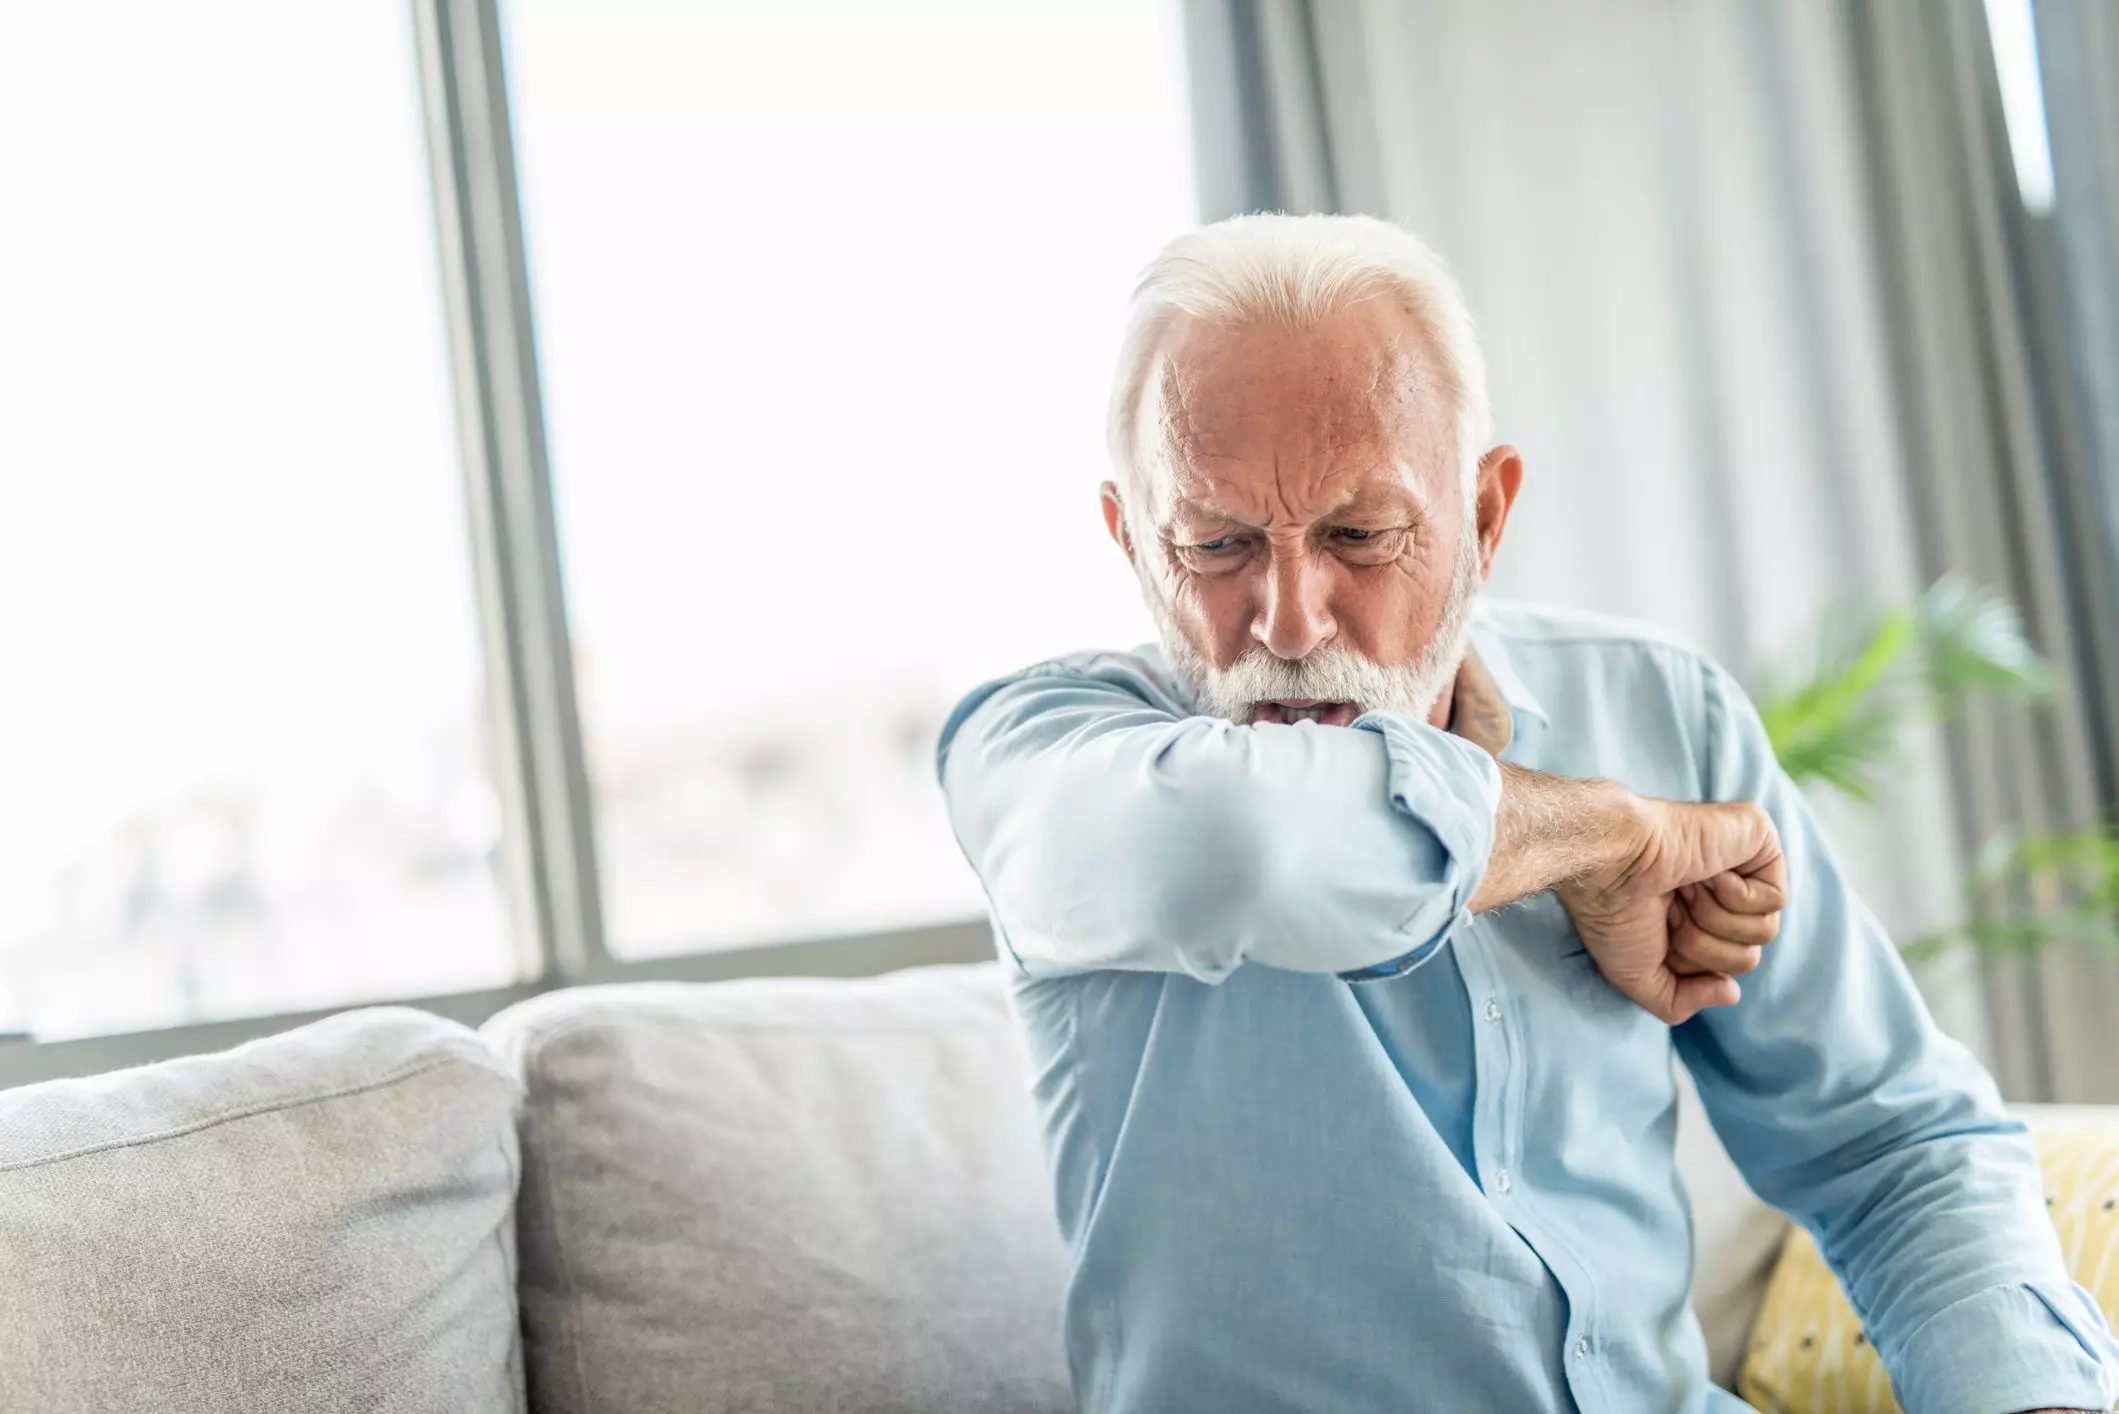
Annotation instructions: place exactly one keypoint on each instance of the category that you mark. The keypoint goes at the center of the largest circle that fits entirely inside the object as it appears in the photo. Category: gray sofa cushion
(786, 1196)
(314, 1222)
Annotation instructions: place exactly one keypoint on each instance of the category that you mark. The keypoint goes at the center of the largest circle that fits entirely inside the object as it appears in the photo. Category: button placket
(1490, 1049)
(1504, 1078)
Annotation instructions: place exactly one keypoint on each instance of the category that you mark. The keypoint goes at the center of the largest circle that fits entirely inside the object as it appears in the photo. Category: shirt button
(1582, 1346)
(1493, 1008)
(1503, 1182)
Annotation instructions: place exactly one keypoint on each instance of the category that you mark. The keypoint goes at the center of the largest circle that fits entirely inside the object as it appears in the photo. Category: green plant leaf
(1871, 674)
(1926, 947)
(2036, 892)
(1846, 753)
(1837, 727)
(1972, 639)
(2080, 864)
(2033, 933)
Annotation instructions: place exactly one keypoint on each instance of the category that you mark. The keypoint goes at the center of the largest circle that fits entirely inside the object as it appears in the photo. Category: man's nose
(1294, 617)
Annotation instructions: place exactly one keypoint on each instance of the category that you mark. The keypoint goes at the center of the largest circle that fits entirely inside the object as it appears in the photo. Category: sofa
(767, 1195)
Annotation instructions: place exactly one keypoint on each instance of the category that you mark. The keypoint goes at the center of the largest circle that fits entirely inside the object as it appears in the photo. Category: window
(827, 298)
(243, 762)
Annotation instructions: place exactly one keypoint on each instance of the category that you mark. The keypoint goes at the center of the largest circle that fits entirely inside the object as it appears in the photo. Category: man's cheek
(1217, 620)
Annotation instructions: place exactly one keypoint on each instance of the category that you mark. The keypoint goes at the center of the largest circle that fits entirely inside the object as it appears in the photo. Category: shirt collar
(1491, 701)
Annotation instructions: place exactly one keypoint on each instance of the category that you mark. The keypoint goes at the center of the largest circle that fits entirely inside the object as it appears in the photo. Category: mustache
(1329, 674)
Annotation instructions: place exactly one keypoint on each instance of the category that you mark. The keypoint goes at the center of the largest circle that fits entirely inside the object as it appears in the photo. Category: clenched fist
(1692, 895)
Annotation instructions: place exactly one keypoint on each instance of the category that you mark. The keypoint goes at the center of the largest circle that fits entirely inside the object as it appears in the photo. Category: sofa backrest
(783, 1195)
(806, 1194)
(318, 1221)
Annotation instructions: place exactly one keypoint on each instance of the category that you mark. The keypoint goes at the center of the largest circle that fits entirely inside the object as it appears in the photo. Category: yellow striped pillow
(1808, 1354)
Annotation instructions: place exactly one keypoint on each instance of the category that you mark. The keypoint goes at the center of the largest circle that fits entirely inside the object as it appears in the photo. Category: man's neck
(1445, 714)
(1472, 707)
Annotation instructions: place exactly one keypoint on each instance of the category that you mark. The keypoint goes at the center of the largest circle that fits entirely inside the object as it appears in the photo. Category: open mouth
(1292, 710)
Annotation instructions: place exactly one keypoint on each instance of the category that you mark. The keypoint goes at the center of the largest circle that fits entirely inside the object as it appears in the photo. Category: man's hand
(1673, 900)
(1695, 893)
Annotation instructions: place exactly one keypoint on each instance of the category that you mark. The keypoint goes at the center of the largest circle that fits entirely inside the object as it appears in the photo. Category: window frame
(549, 855)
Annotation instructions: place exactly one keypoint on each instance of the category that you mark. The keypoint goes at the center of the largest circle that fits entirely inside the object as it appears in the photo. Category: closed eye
(1222, 554)
(1366, 545)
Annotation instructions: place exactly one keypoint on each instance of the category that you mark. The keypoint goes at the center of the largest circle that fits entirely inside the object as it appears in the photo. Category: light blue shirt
(1322, 1140)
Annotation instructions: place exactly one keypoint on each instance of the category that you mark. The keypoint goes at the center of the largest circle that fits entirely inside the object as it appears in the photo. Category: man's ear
(1500, 477)
(1115, 519)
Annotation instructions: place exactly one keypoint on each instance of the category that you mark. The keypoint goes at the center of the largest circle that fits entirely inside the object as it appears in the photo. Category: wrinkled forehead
(1239, 411)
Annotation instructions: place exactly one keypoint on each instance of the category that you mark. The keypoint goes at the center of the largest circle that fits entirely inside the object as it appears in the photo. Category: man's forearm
(1552, 829)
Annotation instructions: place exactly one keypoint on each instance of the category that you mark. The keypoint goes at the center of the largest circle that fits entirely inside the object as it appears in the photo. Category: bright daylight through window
(827, 295)
(243, 765)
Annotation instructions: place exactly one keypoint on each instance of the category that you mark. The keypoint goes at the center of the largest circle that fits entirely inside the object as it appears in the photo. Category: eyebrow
(1363, 502)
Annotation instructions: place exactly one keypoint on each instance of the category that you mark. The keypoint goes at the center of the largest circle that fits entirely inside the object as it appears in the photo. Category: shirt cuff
(2008, 1349)
(1452, 788)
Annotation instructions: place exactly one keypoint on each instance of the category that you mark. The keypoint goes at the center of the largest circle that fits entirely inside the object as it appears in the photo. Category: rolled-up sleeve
(1112, 830)
(1844, 1106)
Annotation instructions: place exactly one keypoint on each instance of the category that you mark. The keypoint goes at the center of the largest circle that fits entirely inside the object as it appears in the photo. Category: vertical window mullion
(549, 847)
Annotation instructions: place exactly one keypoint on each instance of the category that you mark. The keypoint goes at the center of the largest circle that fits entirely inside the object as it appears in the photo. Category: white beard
(1331, 673)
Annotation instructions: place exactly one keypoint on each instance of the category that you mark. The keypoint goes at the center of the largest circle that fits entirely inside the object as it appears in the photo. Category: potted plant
(1837, 719)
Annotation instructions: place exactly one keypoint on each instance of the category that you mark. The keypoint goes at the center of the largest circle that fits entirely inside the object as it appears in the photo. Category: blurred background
(498, 496)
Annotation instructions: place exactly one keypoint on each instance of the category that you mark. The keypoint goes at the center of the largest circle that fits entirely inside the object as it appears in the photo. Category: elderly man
(1355, 932)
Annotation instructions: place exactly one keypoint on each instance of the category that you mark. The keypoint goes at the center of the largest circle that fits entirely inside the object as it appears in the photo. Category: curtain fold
(1999, 419)
(1262, 112)
(2074, 271)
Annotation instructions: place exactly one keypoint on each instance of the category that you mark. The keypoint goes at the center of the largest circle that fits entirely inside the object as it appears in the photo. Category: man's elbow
(1189, 886)
(1224, 888)
(1205, 883)
(1196, 881)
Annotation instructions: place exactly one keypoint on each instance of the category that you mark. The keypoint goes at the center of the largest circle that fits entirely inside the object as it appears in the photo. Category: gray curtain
(1702, 336)
(1263, 105)
(2008, 387)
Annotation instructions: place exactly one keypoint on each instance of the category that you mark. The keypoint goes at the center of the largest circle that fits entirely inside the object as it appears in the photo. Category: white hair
(1295, 270)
